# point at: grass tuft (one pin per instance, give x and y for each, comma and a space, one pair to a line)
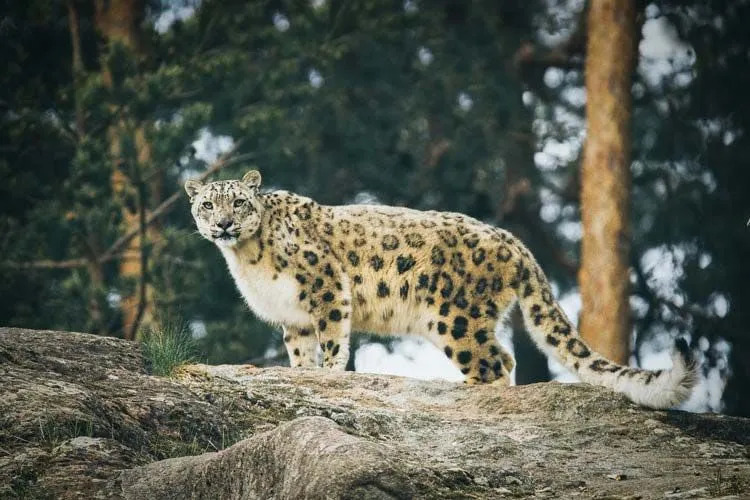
722, 484
167, 348
53, 431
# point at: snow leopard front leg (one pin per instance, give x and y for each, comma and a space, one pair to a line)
334, 322
333, 326
326, 293
301, 345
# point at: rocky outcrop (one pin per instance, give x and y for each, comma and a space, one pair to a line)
80, 418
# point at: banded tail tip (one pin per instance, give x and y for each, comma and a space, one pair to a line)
684, 356
682, 348
674, 386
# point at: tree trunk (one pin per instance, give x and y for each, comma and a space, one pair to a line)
605, 180
95, 322
118, 21
78, 68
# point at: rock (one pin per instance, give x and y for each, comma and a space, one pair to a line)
80, 418
617, 477
309, 457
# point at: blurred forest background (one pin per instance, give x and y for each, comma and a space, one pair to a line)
107, 106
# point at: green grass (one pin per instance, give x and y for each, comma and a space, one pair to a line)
54, 432
167, 348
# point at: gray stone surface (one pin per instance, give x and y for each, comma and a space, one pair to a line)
80, 418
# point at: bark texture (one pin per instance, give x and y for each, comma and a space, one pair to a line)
119, 21
80, 418
605, 180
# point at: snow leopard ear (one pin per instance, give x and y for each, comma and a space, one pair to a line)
252, 179
192, 187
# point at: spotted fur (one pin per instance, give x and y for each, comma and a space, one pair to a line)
323, 271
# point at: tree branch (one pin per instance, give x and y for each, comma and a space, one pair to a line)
167, 204
113, 252
47, 264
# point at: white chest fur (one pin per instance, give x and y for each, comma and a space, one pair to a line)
273, 300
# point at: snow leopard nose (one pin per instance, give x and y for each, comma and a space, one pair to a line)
225, 223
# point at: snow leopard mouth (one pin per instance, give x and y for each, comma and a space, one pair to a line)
226, 237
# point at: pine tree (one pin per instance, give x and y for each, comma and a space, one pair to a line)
430, 105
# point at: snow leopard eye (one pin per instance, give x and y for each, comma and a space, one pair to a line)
238, 202
208, 205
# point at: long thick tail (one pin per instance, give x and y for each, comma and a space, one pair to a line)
554, 334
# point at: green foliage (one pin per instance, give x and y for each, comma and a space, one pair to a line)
699, 152
168, 348
426, 106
